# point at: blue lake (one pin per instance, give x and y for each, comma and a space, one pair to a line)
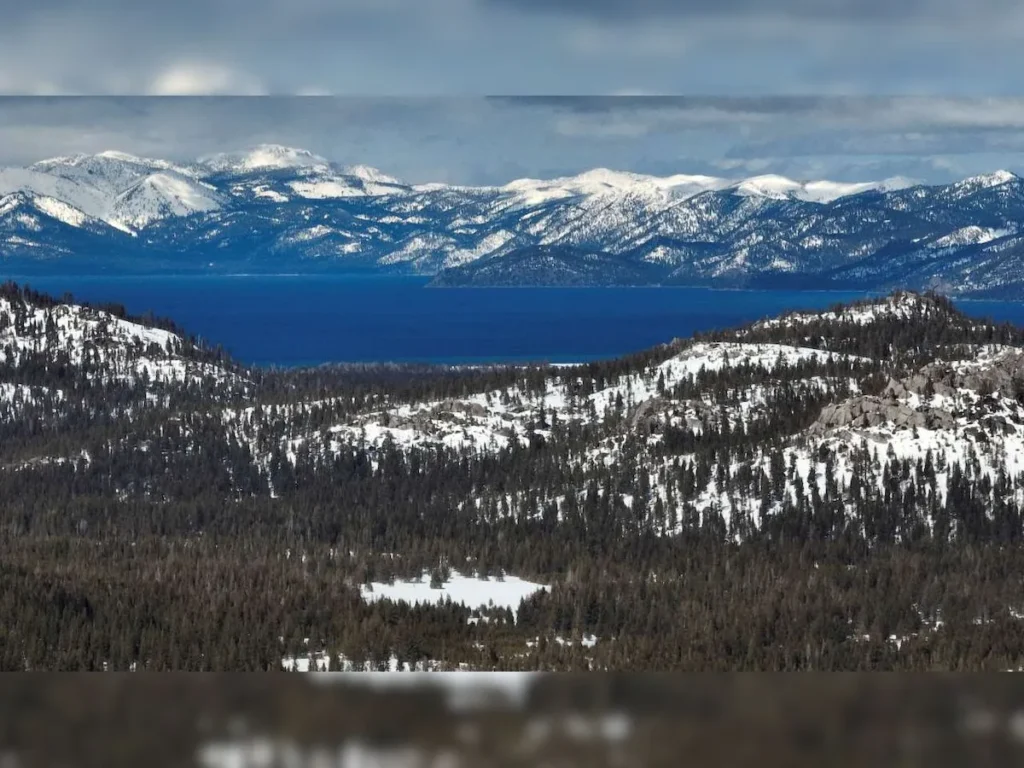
308, 320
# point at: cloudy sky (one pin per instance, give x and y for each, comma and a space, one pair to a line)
809, 88
466, 47
478, 140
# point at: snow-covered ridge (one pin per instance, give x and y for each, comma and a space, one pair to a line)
123, 191
995, 179
901, 305
60, 211
238, 210
130, 192
114, 348
369, 174
601, 181
72, 329
495, 420
160, 196
780, 187
262, 157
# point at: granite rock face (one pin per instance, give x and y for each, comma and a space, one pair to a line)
868, 411
999, 371
969, 386
654, 414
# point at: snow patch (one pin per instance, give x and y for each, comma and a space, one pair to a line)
471, 591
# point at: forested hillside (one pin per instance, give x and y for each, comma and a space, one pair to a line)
834, 490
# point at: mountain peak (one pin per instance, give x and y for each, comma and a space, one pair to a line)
995, 179
769, 185
263, 157
124, 157
75, 159
370, 174
107, 157
609, 177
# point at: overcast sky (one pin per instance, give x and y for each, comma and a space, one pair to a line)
434, 47
812, 72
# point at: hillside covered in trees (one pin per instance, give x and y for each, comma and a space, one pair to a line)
831, 490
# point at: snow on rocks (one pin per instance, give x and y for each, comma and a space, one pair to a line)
902, 306
715, 356
960, 409
492, 421
920, 420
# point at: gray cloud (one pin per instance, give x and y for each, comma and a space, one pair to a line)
462, 47
493, 140
840, 10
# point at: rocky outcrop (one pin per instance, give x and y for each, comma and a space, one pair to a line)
425, 420
652, 415
995, 372
475, 410
867, 411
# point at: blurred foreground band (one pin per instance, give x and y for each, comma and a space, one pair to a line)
452, 720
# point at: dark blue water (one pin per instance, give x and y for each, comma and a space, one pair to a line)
311, 320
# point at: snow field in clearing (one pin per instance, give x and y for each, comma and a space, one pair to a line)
471, 591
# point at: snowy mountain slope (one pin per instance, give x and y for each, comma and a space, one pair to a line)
494, 420
37, 230
956, 419
810, 423
272, 207
105, 346
86, 198
953, 421
841, 443
160, 196
124, 191
528, 193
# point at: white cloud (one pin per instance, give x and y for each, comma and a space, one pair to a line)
203, 78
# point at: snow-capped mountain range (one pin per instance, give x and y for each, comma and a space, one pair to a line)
278, 209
